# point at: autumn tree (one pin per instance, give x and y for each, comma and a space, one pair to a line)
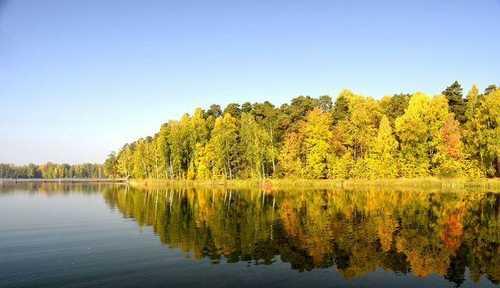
223, 143
317, 136
291, 155
383, 151
418, 130
483, 132
256, 146
109, 165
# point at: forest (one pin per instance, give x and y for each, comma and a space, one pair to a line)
51, 171
404, 135
358, 137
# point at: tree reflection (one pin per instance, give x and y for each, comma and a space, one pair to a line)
355, 232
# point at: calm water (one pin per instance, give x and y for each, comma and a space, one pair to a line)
116, 236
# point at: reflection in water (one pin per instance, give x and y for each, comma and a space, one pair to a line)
354, 231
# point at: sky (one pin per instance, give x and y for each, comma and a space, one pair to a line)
78, 79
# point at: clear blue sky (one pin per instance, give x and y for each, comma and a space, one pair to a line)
78, 79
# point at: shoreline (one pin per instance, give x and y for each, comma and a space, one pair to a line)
490, 185
434, 183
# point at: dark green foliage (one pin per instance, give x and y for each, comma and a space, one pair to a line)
454, 94
396, 105
490, 89
325, 103
233, 109
214, 111
341, 108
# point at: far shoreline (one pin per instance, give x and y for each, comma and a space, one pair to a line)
63, 180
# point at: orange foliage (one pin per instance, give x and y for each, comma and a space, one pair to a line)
451, 137
453, 231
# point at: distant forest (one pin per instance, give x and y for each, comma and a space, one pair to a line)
404, 135
52, 171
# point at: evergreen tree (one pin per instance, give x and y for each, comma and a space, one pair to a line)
454, 94
395, 106
490, 89
341, 106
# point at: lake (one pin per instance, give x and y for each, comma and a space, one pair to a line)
110, 235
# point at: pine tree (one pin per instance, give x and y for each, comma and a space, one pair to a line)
456, 103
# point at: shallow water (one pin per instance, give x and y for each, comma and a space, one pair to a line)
104, 235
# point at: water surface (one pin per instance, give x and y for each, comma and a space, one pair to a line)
104, 235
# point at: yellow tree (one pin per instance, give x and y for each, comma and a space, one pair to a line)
418, 130
290, 158
256, 145
483, 132
382, 156
317, 137
223, 143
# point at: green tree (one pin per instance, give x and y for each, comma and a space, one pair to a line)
490, 89
233, 109
395, 106
454, 94
110, 165
341, 106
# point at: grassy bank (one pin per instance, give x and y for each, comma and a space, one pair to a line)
491, 185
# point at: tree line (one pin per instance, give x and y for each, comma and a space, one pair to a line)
404, 135
52, 171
